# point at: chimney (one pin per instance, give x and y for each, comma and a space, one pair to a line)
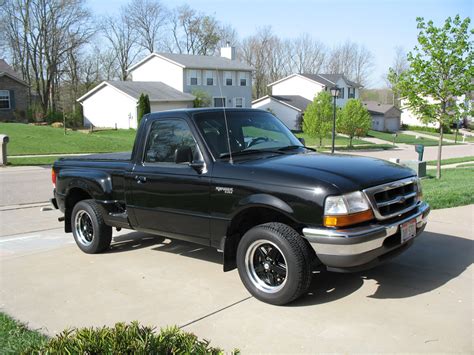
228, 52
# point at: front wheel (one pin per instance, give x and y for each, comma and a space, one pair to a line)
91, 233
274, 263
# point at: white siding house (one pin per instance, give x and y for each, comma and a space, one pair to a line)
114, 103
292, 94
169, 80
289, 109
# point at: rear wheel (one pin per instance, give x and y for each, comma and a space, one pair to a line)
90, 232
274, 263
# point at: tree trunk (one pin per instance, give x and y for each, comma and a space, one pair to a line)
350, 141
440, 145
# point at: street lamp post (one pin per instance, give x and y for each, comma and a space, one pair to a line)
334, 93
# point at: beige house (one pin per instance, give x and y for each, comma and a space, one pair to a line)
385, 118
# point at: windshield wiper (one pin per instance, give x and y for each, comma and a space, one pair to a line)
291, 147
249, 151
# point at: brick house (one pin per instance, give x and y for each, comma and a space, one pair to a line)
13, 94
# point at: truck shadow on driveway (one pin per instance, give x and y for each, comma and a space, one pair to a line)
138, 240
433, 260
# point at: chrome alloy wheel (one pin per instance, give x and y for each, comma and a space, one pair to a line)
266, 266
84, 228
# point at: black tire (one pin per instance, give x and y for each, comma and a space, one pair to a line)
290, 250
90, 232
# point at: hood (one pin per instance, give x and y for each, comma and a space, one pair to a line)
345, 172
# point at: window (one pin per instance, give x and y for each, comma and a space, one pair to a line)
228, 78
219, 102
239, 102
165, 137
244, 78
351, 93
341, 93
4, 99
194, 77
210, 78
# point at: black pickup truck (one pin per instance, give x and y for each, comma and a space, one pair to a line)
239, 181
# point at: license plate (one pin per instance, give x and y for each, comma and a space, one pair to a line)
408, 230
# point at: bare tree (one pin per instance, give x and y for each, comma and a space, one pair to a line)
193, 32
149, 18
307, 54
121, 34
399, 65
40, 33
351, 59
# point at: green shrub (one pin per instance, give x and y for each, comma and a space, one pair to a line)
125, 339
143, 107
425, 129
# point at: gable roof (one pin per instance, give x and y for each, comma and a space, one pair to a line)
7, 70
156, 90
327, 80
296, 102
196, 62
378, 108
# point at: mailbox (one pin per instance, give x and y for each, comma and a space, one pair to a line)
4, 139
420, 148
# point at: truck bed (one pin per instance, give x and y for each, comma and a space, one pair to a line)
121, 156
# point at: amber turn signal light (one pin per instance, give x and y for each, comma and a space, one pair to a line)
348, 219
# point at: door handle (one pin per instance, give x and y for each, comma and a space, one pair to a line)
140, 179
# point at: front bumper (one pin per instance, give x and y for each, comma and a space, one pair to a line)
358, 248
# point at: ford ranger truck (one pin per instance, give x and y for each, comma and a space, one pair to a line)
238, 180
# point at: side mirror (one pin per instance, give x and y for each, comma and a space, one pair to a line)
183, 154
301, 139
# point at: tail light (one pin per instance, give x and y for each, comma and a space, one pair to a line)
53, 177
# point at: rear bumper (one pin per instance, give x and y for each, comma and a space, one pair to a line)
359, 248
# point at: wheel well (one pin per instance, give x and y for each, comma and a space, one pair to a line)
246, 220
74, 196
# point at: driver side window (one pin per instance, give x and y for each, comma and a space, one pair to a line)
165, 137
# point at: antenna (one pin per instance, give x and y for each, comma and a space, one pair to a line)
225, 118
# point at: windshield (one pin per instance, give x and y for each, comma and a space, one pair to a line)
248, 131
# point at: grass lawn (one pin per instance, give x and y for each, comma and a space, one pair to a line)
15, 337
451, 161
28, 139
344, 141
403, 138
448, 136
32, 161
454, 189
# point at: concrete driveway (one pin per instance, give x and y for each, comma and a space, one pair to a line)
420, 302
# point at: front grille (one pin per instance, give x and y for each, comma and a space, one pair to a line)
394, 198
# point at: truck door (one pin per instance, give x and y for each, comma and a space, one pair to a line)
168, 197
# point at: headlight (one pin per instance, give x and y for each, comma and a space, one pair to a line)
344, 210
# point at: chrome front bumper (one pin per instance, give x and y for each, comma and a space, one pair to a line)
348, 248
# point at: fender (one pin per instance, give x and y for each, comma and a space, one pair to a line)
264, 200
97, 183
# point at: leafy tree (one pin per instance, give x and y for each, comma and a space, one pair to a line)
143, 107
440, 72
202, 98
318, 116
353, 120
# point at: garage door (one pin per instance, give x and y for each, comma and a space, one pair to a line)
392, 124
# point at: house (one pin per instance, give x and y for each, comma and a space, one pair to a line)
13, 94
288, 108
305, 87
170, 81
114, 103
385, 118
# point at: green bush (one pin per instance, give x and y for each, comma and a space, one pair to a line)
125, 339
143, 107
425, 129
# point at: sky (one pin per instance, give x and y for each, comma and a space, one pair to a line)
380, 25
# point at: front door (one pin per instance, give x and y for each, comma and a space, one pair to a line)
169, 197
